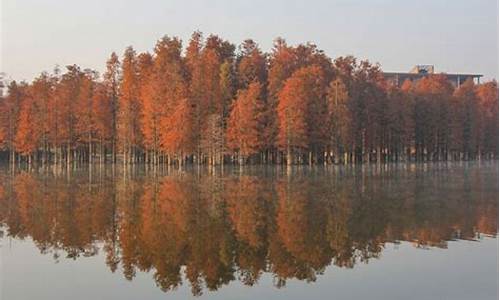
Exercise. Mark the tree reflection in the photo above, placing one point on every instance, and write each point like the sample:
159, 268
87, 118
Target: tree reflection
209, 230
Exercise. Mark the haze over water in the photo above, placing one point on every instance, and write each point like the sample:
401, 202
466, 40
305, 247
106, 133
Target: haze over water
412, 231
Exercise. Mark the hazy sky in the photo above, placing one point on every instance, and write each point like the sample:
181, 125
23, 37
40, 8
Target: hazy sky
455, 36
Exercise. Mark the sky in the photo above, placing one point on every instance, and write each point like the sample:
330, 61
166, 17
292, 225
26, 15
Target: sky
454, 36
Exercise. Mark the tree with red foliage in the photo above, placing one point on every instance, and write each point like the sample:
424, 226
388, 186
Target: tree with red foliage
208, 93
244, 132
85, 121
302, 114
339, 120
465, 131
102, 109
252, 64
433, 124
129, 108
488, 102
112, 82
26, 138
167, 86
9, 115
178, 126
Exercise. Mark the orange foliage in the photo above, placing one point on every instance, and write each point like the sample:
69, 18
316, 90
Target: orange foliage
195, 105
26, 135
178, 136
301, 109
244, 133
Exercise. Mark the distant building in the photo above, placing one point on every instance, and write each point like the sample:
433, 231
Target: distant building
3, 84
420, 71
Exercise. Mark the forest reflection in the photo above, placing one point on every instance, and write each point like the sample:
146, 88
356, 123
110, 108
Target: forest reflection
211, 228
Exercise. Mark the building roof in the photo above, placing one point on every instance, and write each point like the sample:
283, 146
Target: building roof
417, 75
424, 70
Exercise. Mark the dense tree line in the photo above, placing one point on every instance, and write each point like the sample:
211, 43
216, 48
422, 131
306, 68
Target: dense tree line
208, 231
212, 103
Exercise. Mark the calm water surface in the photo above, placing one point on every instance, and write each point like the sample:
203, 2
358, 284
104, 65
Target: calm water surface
392, 232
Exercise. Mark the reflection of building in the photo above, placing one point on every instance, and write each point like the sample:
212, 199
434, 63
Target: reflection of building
420, 71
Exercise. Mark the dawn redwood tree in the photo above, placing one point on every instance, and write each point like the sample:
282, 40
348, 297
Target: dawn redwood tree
225, 49
228, 88
210, 107
433, 118
302, 114
245, 124
344, 68
85, 121
54, 114
195, 89
283, 62
179, 136
42, 90
292, 134
368, 97
339, 120
129, 108
166, 88
466, 126
488, 102
11, 108
204, 62
102, 112
145, 68
400, 123
112, 78
31, 123
367, 100
308, 54
281, 66
26, 139
252, 64
317, 112
69, 89
212, 143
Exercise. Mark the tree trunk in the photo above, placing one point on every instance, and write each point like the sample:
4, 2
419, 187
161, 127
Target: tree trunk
288, 156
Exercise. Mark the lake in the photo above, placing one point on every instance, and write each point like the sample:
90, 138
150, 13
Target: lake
407, 231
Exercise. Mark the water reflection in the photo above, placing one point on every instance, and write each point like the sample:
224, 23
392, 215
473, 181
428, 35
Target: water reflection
211, 228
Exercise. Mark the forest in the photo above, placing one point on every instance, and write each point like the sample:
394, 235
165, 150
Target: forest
214, 103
